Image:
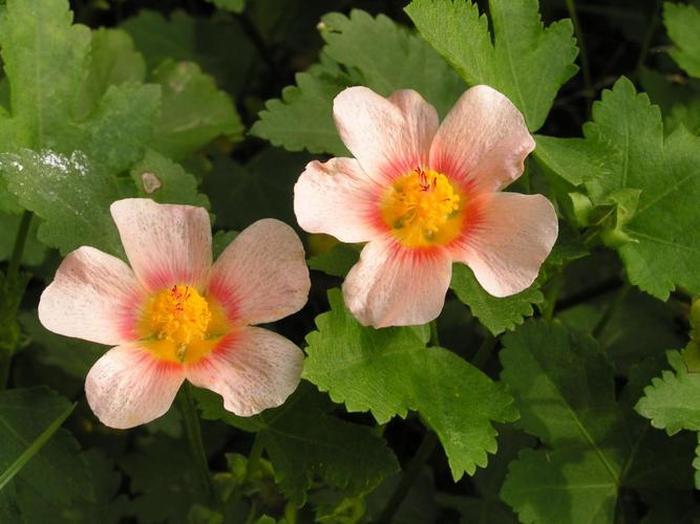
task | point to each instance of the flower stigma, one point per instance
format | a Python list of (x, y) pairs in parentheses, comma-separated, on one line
[(423, 209)]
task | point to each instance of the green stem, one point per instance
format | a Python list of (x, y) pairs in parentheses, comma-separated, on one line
[(20, 242), (648, 37), (434, 336), (194, 437), (12, 289), (482, 354), (254, 457), (585, 65), (38, 443), (610, 311), (551, 295), (425, 450)]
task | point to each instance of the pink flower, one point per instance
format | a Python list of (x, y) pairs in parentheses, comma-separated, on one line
[(424, 195), (175, 316)]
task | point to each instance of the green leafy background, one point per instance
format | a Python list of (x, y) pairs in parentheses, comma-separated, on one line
[(574, 401)]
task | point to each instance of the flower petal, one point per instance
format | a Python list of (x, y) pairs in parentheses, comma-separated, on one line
[(394, 286), (166, 244), (512, 236), (94, 296), (253, 370), (483, 140), (128, 386), (262, 275), (388, 136), (337, 198)]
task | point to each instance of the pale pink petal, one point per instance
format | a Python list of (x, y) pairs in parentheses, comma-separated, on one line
[(394, 286), (94, 296), (253, 369), (483, 140), (128, 386), (166, 244), (338, 198), (388, 136), (262, 275), (511, 236)]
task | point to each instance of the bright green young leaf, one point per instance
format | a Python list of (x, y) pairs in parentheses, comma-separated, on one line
[(683, 25), (304, 443), (523, 59), (658, 240), (497, 314), (390, 371), (163, 180), (303, 118), (194, 112), (672, 401), (46, 60), (68, 194), (40, 461), (113, 61)]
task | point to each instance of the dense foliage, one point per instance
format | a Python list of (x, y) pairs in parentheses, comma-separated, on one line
[(574, 401)]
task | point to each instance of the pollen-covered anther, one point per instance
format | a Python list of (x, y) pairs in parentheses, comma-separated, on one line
[(423, 209), (179, 314)]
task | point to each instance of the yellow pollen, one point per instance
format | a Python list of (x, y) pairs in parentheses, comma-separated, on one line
[(179, 314), (423, 209)]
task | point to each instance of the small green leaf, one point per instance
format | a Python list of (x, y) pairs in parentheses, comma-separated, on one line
[(235, 6), (523, 59), (672, 401), (390, 371), (683, 24), (302, 119), (194, 111), (164, 181), (337, 261), (497, 314)]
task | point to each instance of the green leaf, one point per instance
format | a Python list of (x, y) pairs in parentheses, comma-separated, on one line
[(672, 401), (40, 461), (164, 181), (660, 245), (337, 261), (113, 61), (566, 485), (497, 314), (304, 442), (390, 371), (43, 57), (235, 6), (69, 194), (564, 389), (34, 252), (302, 119), (523, 59), (73, 356), (194, 111), (683, 25)]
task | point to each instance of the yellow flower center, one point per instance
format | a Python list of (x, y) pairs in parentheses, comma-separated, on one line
[(423, 209), (180, 325)]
